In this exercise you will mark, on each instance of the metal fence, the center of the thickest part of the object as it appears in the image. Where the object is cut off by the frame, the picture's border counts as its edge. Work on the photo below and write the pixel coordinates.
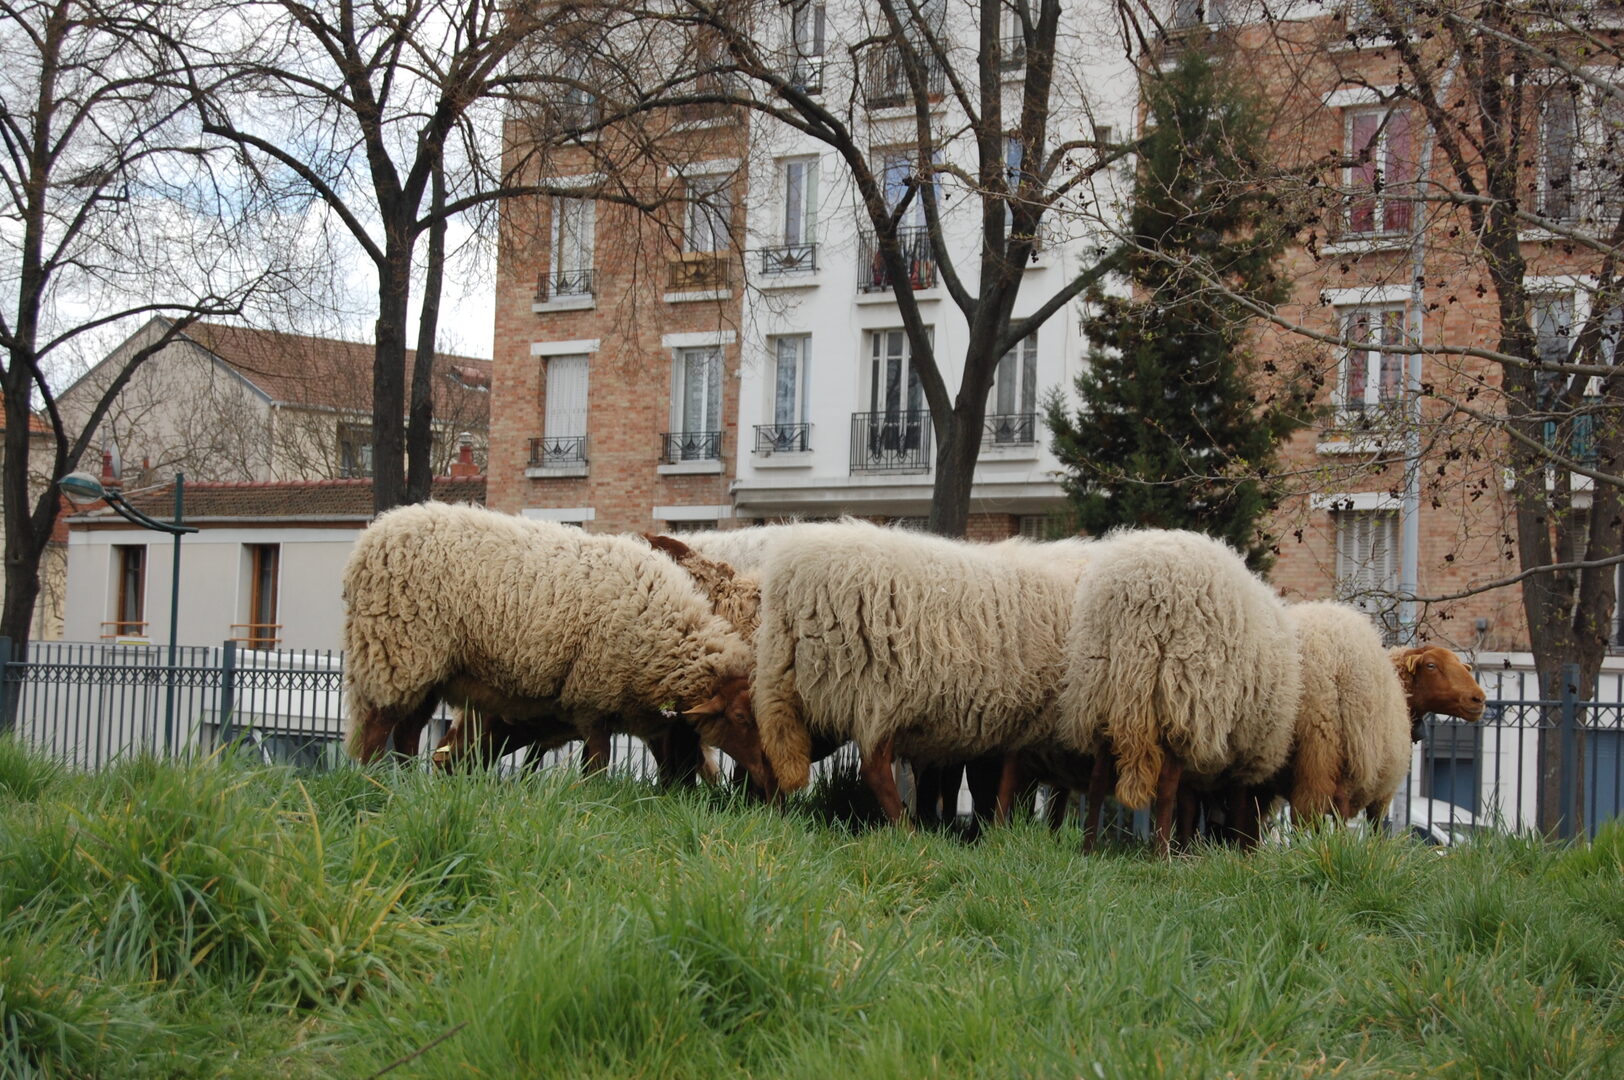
(1554, 765)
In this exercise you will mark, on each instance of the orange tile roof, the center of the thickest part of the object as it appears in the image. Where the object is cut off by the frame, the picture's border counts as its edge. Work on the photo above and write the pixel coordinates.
(36, 423)
(299, 369)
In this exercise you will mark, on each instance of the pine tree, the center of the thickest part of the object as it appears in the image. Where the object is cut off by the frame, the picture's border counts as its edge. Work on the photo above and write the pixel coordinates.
(1172, 432)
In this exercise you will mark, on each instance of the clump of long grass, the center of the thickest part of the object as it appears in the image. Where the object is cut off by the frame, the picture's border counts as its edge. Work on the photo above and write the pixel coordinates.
(25, 775)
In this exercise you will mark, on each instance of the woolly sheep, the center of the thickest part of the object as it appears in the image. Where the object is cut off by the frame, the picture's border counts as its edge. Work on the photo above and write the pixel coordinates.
(532, 621)
(906, 643)
(1180, 660)
(1353, 726)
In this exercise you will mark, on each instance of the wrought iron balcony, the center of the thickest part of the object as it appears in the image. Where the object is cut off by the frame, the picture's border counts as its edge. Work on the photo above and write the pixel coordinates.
(805, 73)
(890, 441)
(885, 82)
(1011, 51)
(678, 446)
(1009, 429)
(565, 283)
(557, 451)
(783, 438)
(918, 260)
(789, 259)
(695, 272)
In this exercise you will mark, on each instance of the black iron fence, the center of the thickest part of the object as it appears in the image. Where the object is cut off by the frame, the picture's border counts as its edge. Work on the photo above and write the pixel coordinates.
(790, 259)
(678, 446)
(564, 283)
(1012, 429)
(558, 451)
(890, 441)
(783, 438)
(1547, 764)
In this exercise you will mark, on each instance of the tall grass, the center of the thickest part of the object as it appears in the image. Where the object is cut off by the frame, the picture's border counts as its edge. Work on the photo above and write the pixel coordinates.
(212, 919)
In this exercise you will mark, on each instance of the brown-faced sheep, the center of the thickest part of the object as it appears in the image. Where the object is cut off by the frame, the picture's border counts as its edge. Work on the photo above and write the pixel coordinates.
(906, 643)
(531, 621)
(1436, 681)
(1180, 661)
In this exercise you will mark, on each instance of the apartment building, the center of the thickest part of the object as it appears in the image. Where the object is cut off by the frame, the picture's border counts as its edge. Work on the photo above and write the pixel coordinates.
(744, 360)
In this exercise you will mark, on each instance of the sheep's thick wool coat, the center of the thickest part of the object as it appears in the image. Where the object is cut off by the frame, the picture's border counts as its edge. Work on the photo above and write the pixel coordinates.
(1176, 646)
(525, 618)
(1353, 723)
(952, 650)
(745, 550)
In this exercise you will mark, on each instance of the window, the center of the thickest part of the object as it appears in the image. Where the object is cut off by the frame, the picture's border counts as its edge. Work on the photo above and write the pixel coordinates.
(806, 29)
(789, 382)
(798, 251)
(1381, 147)
(897, 178)
(893, 384)
(1553, 329)
(1188, 13)
(354, 449)
(1371, 378)
(1367, 562)
(696, 405)
(573, 227)
(129, 599)
(707, 227)
(1013, 400)
(1012, 23)
(261, 630)
(1558, 137)
(564, 419)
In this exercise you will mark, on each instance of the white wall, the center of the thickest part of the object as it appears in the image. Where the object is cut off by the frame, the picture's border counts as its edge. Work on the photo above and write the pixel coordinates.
(214, 583)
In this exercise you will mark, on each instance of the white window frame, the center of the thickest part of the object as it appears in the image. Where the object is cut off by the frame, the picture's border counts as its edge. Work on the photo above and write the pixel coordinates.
(556, 425)
(1370, 399)
(1381, 162)
(1021, 365)
(879, 356)
(1367, 575)
(803, 192)
(568, 259)
(713, 399)
(707, 219)
(801, 360)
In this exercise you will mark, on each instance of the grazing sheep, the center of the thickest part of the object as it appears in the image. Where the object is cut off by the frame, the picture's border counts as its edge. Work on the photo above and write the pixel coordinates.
(532, 621)
(742, 549)
(906, 643)
(1353, 729)
(734, 596)
(1180, 660)
(1435, 681)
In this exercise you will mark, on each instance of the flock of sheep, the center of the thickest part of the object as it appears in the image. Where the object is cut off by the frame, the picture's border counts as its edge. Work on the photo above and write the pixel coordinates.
(1152, 661)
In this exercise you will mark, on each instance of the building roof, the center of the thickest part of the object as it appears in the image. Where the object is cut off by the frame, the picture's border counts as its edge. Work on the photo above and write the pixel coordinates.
(36, 423)
(299, 502)
(298, 369)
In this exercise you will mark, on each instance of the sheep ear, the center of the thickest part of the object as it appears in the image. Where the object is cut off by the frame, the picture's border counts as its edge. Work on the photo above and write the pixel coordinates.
(1411, 660)
(714, 707)
(672, 547)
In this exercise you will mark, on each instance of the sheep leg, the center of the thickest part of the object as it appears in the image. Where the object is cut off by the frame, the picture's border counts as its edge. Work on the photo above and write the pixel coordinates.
(1343, 803)
(877, 774)
(1188, 807)
(1167, 791)
(595, 758)
(408, 728)
(1054, 810)
(1099, 782)
(1248, 813)
(677, 756)
(1009, 779)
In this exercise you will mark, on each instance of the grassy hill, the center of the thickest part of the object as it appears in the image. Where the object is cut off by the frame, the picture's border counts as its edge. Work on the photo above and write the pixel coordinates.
(169, 921)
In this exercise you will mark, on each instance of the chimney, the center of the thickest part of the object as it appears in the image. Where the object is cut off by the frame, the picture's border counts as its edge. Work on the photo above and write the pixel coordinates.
(464, 465)
(107, 477)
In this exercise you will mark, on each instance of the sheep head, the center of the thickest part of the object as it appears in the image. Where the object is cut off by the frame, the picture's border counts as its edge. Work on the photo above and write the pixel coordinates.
(735, 597)
(728, 722)
(1436, 681)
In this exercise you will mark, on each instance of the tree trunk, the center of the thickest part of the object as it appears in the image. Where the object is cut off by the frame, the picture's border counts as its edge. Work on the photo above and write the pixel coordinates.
(389, 375)
(957, 449)
(420, 423)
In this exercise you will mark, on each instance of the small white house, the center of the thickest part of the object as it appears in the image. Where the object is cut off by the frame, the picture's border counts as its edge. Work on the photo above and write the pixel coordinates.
(264, 568)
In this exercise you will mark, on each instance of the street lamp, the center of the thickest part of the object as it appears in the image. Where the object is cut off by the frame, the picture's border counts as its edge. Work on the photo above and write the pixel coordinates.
(81, 486)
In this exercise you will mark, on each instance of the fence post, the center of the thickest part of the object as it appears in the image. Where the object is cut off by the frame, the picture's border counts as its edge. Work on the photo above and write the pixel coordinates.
(8, 699)
(228, 692)
(1569, 725)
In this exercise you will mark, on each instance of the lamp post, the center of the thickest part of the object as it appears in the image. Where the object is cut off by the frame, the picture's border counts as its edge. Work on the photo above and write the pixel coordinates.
(81, 486)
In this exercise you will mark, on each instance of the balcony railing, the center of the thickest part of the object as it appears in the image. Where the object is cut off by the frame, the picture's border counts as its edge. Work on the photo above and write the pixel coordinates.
(696, 272)
(918, 260)
(1010, 429)
(1011, 51)
(789, 259)
(678, 446)
(556, 451)
(885, 82)
(565, 283)
(783, 438)
(720, 83)
(890, 441)
(257, 635)
(805, 73)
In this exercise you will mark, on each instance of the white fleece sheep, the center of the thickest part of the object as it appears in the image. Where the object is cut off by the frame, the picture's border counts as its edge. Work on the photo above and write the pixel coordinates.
(1353, 724)
(943, 649)
(1177, 647)
(528, 620)
(742, 549)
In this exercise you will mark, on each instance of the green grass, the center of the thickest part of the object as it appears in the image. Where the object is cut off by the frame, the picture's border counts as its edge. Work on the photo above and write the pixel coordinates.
(216, 920)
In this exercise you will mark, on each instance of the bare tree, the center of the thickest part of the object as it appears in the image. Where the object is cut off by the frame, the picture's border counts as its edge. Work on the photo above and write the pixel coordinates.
(116, 209)
(990, 101)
